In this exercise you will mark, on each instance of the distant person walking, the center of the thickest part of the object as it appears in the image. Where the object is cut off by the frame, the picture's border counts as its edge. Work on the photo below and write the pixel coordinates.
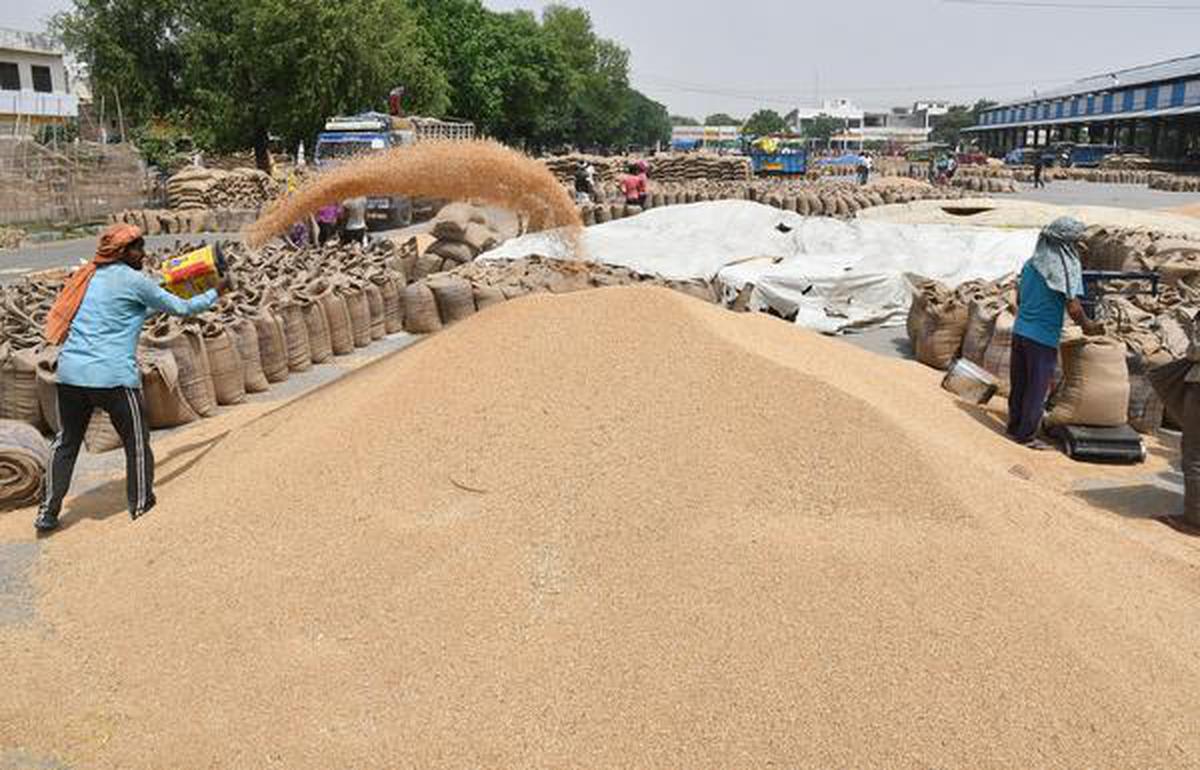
(1038, 165)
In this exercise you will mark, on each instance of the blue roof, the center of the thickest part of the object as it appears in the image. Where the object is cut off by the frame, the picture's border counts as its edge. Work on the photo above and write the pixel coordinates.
(1171, 69)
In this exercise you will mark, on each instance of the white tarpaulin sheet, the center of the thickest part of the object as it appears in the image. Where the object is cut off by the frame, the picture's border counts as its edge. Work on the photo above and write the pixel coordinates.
(833, 275)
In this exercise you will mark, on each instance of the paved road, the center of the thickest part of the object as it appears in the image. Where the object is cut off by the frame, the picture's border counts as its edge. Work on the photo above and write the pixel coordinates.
(16, 262)
(1126, 196)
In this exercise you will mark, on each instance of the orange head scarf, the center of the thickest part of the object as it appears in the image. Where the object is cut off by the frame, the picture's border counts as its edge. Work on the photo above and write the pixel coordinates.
(112, 241)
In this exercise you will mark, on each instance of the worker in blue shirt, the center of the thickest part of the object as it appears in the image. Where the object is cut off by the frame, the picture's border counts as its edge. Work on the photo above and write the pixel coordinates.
(101, 311)
(1051, 283)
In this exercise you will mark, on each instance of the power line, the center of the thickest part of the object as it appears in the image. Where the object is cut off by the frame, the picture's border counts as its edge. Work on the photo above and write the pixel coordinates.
(1088, 6)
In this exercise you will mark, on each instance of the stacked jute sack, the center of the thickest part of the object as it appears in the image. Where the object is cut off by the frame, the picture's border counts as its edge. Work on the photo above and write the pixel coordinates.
(692, 167)
(828, 198)
(681, 168)
(984, 184)
(171, 221)
(987, 172)
(463, 232)
(196, 187)
(442, 299)
(1103, 176)
(1175, 183)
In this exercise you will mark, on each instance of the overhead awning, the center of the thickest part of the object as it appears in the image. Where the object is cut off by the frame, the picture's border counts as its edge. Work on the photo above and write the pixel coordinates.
(1164, 112)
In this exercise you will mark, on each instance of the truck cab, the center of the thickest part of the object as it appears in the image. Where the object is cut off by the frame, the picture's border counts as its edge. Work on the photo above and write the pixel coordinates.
(347, 137)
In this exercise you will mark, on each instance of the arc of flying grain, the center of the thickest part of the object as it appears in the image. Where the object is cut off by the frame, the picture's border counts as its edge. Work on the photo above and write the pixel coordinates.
(481, 170)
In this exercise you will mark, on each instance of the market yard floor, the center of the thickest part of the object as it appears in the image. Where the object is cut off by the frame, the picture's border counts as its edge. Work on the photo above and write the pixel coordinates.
(1126, 196)
(609, 528)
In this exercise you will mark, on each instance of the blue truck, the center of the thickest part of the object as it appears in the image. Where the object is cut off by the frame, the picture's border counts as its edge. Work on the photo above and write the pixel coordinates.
(771, 157)
(349, 136)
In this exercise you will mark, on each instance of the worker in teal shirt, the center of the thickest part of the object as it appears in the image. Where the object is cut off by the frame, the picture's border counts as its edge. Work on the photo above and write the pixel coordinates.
(97, 367)
(1051, 284)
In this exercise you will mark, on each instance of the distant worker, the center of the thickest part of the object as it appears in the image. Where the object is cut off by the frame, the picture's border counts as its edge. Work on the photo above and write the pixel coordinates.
(327, 219)
(1039, 164)
(355, 230)
(1051, 282)
(643, 169)
(585, 191)
(633, 185)
(99, 315)
(864, 168)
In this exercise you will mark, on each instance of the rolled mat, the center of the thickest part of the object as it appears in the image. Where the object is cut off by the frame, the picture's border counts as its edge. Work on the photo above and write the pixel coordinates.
(24, 455)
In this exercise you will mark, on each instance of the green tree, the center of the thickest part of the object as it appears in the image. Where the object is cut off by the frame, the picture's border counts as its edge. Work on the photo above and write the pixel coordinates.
(683, 120)
(721, 119)
(822, 128)
(646, 121)
(764, 122)
(258, 68)
(948, 128)
(132, 51)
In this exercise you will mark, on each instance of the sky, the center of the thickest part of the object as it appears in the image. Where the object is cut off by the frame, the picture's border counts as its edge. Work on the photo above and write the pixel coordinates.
(700, 58)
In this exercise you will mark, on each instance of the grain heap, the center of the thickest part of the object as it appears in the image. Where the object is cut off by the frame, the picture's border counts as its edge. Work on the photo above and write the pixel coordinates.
(713, 545)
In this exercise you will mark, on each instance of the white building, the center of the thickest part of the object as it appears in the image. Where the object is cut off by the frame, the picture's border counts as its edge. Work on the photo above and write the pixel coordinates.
(901, 125)
(33, 84)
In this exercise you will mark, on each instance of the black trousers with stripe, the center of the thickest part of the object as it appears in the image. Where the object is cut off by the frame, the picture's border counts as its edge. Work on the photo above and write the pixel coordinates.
(127, 412)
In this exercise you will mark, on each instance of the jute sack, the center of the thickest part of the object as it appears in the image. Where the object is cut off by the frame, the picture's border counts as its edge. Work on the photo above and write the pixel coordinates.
(225, 365)
(997, 357)
(337, 316)
(165, 405)
(1095, 386)
(922, 293)
(320, 346)
(47, 387)
(1145, 405)
(486, 296)
(24, 457)
(295, 334)
(360, 312)
(245, 339)
(195, 379)
(100, 435)
(981, 319)
(375, 310)
(393, 307)
(420, 309)
(455, 300)
(942, 327)
(18, 385)
(272, 350)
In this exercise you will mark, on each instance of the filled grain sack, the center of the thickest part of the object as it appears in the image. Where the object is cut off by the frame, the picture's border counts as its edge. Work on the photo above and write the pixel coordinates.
(165, 405)
(272, 349)
(295, 333)
(24, 457)
(320, 345)
(1145, 414)
(47, 387)
(225, 365)
(981, 319)
(100, 435)
(195, 378)
(420, 309)
(997, 359)
(18, 385)
(393, 304)
(360, 312)
(337, 316)
(942, 325)
(1095, 386)
(375, 310)
(245, 339)
(454, 251)
(923, 291)
(486, 296)
(455, 300)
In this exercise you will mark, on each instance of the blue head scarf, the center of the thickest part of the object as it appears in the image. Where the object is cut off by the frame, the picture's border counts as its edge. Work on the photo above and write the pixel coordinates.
(1056, 259)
